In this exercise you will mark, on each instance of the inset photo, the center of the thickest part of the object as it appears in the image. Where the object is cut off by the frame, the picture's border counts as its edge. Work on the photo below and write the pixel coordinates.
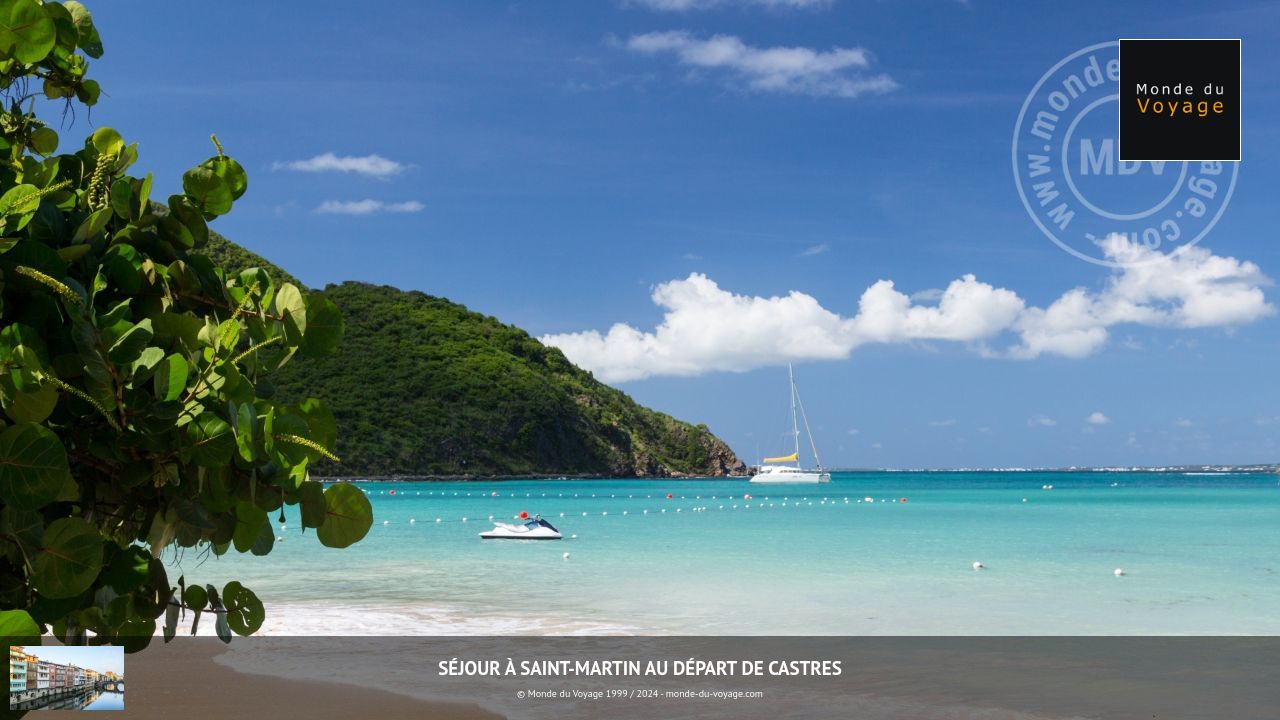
(56, 677)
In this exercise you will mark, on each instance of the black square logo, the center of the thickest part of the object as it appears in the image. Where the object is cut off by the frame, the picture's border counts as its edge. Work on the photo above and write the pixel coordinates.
(1179, 99)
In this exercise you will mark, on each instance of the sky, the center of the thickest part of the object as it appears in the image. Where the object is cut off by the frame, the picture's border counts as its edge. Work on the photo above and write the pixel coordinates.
(685, 195)
(100, 658)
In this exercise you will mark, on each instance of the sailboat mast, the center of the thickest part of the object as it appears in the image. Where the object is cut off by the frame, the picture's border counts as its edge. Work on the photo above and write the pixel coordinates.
(795, 429)
(812, 445)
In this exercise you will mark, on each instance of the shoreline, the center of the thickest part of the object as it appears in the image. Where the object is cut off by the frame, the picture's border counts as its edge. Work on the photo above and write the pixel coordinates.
(504, 478)
(183, 677)
(1255, 469)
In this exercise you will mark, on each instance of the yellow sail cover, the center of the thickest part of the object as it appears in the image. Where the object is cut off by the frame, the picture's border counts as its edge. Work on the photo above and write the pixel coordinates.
(793, 457)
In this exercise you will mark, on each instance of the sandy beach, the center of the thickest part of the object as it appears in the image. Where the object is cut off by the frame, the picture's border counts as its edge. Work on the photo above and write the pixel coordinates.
(182, 677)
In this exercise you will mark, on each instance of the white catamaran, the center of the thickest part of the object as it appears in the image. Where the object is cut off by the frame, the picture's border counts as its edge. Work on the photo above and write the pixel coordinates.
(774, 470)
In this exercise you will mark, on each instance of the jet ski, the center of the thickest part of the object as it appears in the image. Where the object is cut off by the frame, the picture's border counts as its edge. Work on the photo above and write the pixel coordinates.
(535, 528)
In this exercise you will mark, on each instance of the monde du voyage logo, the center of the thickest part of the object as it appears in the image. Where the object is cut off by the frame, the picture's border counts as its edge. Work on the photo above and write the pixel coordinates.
(1137, 138)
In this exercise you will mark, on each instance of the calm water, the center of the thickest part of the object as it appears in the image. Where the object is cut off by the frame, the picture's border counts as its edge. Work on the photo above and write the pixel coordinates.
(1201, 555)
(99, 701)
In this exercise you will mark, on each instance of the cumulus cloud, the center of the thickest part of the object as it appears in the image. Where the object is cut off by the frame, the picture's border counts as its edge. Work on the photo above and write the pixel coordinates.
(812, 250)
(370, 165)
(706, 328)
(684, 5)
(1041, 421)
(1097, 418)
(367, 207)
(839, 72)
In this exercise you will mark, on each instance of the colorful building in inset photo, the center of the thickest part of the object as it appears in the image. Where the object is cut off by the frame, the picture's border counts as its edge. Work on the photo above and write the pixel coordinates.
(17, 670)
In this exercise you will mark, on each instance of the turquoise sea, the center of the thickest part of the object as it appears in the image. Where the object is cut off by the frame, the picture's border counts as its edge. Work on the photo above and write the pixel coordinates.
(1200, 555)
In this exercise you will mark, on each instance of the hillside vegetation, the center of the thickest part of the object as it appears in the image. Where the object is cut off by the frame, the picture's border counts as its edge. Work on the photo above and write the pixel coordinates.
(423, 386)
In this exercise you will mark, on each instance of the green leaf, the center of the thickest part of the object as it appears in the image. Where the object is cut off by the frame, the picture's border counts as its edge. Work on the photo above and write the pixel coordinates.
(70, 560)
(171, 377)
(88, 40)
(250, 520)
(244, 610)
(209, 192)
(312, 504)
(213, 440)
(290, 304)
(135, 635)
(107, 142)
(324, 326)
(17, 628)
(32, 406)
(246, 420)
(129, 346)
(33, 466)
(195, 598)
(347, 516)
(231, 172)
(26, 32)
(44, 141)
(127, 571)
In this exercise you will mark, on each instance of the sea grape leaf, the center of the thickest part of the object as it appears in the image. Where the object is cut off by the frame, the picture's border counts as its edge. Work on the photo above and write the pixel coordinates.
(347, 516)
(70, 559)
(27, 34)
(244, 610)
(33, 466)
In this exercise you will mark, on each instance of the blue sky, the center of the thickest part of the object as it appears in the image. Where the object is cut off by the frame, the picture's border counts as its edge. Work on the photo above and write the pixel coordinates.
(100, 658)
(552, 164)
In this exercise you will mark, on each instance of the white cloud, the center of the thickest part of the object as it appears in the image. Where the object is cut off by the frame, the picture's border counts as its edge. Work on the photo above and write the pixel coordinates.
(371, 165)
(853, 431)
(684, 5)
(815, 250)
(708, 329)
(367, 207)
(1097, 418)
(1183, 423)
(1041, 421)
(839, 72)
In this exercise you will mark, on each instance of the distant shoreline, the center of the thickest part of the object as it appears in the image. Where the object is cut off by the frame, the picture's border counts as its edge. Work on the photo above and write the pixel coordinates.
(1172, 469)
(526, 476)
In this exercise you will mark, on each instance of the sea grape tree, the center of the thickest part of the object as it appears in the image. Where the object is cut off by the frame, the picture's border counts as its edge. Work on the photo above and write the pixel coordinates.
(135, 376)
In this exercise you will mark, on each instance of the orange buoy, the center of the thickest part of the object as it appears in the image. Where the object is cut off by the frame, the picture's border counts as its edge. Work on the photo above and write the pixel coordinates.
(904, 499)
(393, 492)
(524, 515)
(668, 496)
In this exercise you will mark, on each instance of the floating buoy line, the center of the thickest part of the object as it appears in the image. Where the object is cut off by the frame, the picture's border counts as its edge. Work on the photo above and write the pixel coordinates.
(713, 503)
(682, 504)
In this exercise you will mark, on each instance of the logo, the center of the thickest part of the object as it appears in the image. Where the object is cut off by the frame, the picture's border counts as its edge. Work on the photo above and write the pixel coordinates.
(1069, 175)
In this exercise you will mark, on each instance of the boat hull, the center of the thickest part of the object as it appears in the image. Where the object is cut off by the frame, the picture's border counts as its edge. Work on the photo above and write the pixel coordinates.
(792, 478)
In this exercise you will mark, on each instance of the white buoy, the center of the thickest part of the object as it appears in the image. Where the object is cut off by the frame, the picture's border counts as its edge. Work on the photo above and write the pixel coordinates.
(573, 537)
(412, 521)
(977, 565)
(464, 519)
(437, 519)
(1024, 499)
(279, 538)
(566, 556)
(1119, 572)
(386, 522)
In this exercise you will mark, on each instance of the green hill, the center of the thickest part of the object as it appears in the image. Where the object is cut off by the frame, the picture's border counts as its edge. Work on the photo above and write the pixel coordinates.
(424, 386)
